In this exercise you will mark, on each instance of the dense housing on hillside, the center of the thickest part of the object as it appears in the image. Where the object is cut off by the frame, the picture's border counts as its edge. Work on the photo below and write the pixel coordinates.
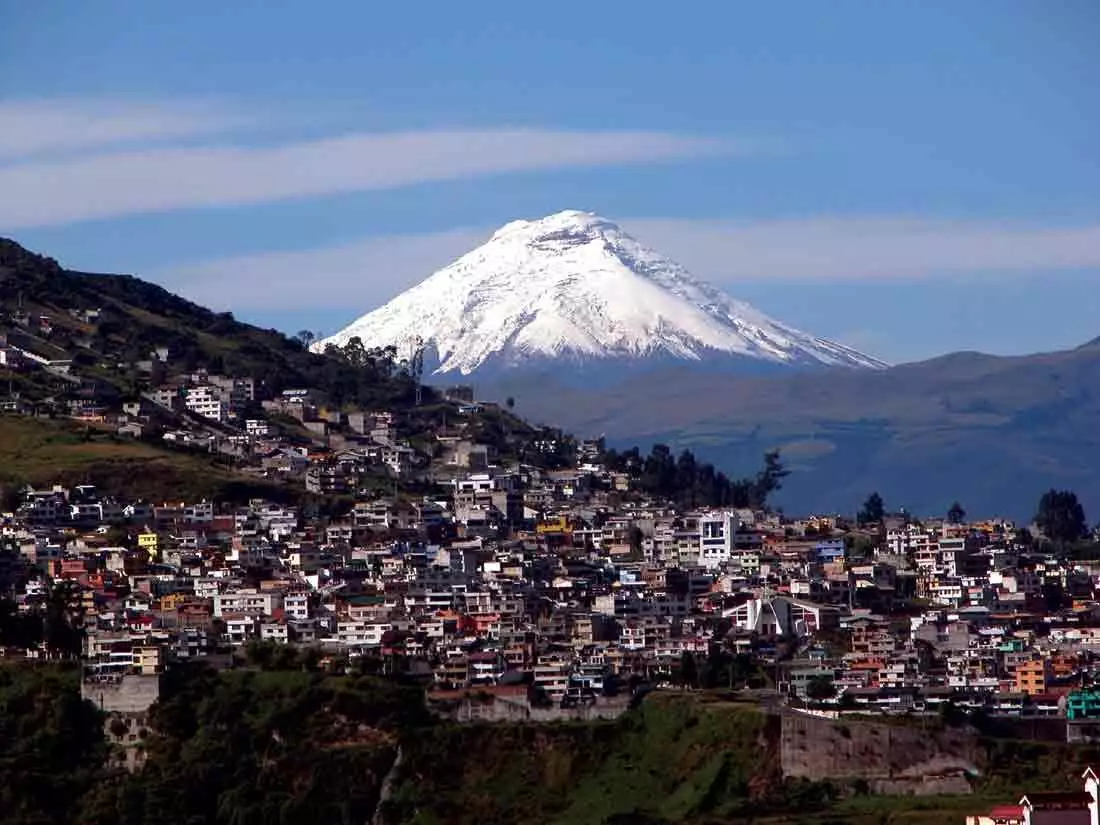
(510, 570)
(570, 583)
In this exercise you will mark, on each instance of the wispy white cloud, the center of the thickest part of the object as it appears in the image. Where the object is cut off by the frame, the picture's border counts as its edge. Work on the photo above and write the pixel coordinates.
(120, 183)
(875, 248)
(36, 127)
(371, 270)
(358, 276)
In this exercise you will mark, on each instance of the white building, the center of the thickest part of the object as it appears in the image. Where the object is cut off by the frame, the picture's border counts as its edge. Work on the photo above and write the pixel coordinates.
(248, 601)
(717, 537)
(206, 400)
(780, 616)
(274, 632)
(256, 428)
(361, 633)
(296, 606)
(911, 539)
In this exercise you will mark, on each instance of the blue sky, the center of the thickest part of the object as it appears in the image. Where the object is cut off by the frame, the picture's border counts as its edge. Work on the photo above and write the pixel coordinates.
(908, 178)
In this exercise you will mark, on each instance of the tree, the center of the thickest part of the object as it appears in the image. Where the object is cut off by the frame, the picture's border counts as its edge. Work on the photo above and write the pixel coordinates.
(64, 634)
(858, 547)
(956, 514)
(309, 658)
(306, 338)
(1061, 517)
(260, 653)
(820, 688)
(510, 403)
(11, 496)
(687, 479)
(355, 353)
(873, 510)
(689, 673)
(768, 480)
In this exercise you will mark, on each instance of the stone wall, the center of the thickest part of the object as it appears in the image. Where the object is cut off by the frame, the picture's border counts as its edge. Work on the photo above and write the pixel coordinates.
(891, 759)
(1083, 732)
(126, 694)
(518, 709)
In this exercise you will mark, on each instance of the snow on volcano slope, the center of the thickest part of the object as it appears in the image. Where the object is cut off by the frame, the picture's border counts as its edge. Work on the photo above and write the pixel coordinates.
(573, 286)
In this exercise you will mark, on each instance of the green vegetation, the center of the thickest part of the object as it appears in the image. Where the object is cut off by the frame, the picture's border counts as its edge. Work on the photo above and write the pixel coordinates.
(671, 760)
(296, 745)
(691, 483)
(1011, 764)
(1061, 517)
(239, 748)
(253, 748)
(51, 744)
(42, 451)
(873, 511)
(54, 627)
(106, 322)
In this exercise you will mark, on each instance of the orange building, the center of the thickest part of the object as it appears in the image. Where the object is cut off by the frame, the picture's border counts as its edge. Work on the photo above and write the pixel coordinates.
(1033, 676)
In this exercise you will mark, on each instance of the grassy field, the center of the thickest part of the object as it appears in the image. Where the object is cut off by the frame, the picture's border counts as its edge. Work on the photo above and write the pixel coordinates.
(40, 452)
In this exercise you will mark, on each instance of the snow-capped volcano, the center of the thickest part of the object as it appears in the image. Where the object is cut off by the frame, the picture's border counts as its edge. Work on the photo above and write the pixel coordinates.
(573, 286)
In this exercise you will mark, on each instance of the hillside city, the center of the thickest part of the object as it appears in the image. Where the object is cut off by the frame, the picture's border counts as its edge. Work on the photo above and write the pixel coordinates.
(538, 587)
(513, 572)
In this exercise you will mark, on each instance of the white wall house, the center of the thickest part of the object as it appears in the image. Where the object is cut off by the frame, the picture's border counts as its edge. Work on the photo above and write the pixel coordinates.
(206, 401)
(248, 601)
(717, 534)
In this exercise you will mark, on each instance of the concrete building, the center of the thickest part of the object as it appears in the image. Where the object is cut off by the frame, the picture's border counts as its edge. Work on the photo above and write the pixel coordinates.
(207, 401)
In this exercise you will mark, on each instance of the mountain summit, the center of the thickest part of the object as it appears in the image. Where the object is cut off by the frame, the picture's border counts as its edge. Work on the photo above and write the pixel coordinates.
(575, 287)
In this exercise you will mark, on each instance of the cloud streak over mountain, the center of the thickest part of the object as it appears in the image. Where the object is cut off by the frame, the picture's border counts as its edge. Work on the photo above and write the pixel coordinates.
(162, 178)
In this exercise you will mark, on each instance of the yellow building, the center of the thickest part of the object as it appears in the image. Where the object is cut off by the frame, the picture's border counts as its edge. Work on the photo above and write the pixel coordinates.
(148, 660)
(148, 543)
(560, 525)
(172, 601)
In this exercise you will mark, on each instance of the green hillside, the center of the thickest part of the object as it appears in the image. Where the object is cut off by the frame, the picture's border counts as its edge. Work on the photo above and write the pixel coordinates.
(107, 322)
(247, 747)
(42, 452)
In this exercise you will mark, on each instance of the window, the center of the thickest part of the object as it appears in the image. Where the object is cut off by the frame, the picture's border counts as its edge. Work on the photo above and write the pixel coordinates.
(713, 530)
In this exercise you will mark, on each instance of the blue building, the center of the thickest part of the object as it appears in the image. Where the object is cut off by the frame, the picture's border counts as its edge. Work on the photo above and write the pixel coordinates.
(829, 550)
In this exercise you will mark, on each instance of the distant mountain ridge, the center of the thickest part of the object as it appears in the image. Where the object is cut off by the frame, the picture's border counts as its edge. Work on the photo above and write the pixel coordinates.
(992, 431)
(573, 289)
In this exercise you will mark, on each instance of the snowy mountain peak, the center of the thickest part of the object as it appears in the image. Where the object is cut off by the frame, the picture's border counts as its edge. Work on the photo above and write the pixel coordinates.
(575, 286)
(567, 223)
